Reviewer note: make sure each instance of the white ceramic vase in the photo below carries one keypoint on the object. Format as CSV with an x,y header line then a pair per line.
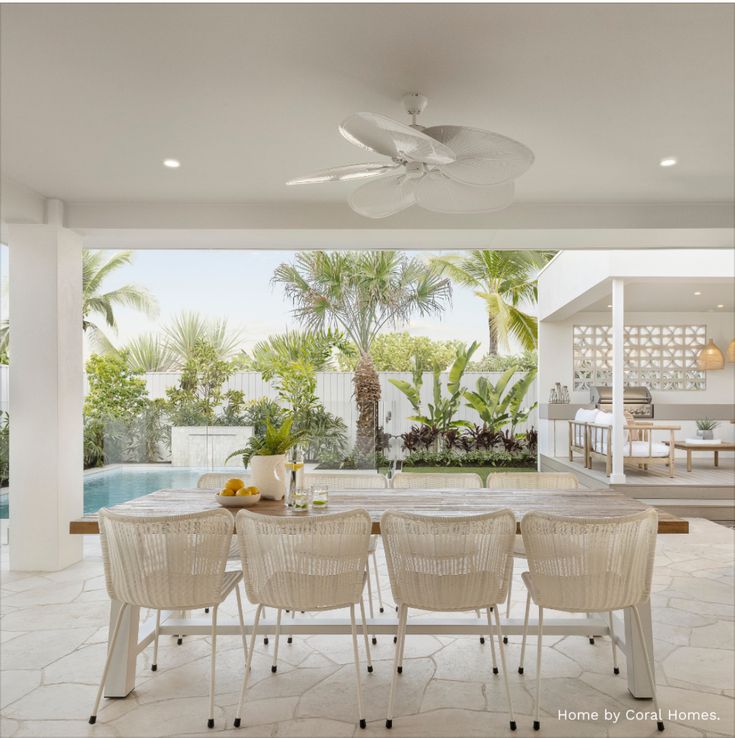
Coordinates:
x,y
268,474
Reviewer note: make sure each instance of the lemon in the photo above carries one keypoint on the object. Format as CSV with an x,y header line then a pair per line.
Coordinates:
x,y
254,490
227,492
234,484
243,492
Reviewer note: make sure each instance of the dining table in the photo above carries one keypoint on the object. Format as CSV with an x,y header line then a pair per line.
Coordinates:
x,y
586,503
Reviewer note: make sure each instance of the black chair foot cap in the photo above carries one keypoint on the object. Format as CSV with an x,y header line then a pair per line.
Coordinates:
x,y
210,723
179,641
505,639
381,610
237,722
513,725
660,725
154,667
395,639
289,640
92,719
274,669
482,639
400,670
265,641
520,670
375,641
206,610
495,669
592,641
616,670
363,724
396,608
370,669
491,609
536,725
389,724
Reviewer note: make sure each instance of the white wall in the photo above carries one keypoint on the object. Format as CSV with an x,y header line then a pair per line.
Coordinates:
x,y
556,365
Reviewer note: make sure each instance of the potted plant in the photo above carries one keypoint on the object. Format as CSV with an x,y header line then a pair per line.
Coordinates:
x,y
705,428
265,456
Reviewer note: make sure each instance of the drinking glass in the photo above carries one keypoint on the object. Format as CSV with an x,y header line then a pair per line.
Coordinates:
x,y
319,497
301,499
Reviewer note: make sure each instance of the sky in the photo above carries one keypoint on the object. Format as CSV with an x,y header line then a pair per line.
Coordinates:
x,y
237,285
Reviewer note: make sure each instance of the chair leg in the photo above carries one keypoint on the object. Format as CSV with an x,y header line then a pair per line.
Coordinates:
x,y
525,632
289,640
246,675
510,589
366,636
274,668
369,589
110,649
210,722
492,640
377,582
616,670
478,615
242,621
360,712
156,635
501,647
403,611
265,638
649,665
402,645
537,721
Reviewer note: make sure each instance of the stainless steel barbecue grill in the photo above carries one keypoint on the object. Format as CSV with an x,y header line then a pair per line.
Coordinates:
x,y
636,400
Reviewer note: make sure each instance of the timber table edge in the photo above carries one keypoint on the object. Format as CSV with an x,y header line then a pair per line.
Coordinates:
x,y
667,523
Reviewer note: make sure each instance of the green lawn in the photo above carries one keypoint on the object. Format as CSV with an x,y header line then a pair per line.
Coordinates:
x,y
483,471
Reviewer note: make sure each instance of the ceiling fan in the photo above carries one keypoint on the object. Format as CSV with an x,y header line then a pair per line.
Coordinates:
x,y
447,169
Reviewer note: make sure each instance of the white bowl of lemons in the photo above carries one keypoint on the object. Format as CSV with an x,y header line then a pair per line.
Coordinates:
x,y
236,494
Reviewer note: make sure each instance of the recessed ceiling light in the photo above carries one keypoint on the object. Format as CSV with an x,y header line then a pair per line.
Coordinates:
x,y
669,161
697,292
720,306
609,306
171,163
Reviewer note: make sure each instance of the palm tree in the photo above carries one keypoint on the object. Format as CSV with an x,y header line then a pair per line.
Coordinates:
x,y
360,293
313,348
96,267
504,280
187,329
149,352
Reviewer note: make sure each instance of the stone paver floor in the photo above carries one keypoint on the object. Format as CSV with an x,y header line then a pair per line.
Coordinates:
x,y
54,628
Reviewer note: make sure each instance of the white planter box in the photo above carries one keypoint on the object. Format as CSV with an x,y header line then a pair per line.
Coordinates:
x,y
208,446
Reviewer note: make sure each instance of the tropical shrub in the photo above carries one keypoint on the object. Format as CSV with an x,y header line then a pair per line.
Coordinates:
x,y
325,435
522,362
258,412
4,449
149,433
498,408
497,458
115,392
276,440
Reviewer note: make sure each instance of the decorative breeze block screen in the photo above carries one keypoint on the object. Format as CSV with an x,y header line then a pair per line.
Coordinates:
x,y
660,357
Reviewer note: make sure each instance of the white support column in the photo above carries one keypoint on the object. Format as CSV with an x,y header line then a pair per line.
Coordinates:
x,y
618,380
46,434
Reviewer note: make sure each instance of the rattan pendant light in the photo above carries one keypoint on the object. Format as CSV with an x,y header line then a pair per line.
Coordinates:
x,y
710,357
731,351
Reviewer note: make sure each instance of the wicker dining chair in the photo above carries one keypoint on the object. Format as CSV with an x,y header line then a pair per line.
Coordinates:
x,y
589,565
217,480
529,480
174,562
437,480
310,564
449,564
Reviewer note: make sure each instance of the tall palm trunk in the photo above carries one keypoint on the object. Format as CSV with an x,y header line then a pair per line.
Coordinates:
x,y
492,338
367,396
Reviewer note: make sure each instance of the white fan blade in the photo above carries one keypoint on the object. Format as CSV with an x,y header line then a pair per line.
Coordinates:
x,y
346,173
386,136
483,157
384,196
435,191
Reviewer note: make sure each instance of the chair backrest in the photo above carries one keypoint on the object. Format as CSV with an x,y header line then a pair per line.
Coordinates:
x,y
174,562
449,563
532,480
216,480
345,481
304,563
590,564
437,480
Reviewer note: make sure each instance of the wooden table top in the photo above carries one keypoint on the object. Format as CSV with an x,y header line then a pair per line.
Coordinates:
x,y
722,446
579,502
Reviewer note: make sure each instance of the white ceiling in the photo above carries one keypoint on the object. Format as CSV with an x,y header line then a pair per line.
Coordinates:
x,y
677,296
247,96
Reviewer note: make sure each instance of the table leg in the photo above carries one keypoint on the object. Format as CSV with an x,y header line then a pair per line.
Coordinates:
x,y
717,457
638,683
121,677
689,459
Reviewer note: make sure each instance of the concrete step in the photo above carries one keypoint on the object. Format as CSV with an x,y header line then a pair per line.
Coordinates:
x,y
717,510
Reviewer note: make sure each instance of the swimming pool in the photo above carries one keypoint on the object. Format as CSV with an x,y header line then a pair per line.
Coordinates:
x,y
112,486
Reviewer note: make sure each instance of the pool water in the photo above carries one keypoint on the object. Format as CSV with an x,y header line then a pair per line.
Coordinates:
x,y
106,488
